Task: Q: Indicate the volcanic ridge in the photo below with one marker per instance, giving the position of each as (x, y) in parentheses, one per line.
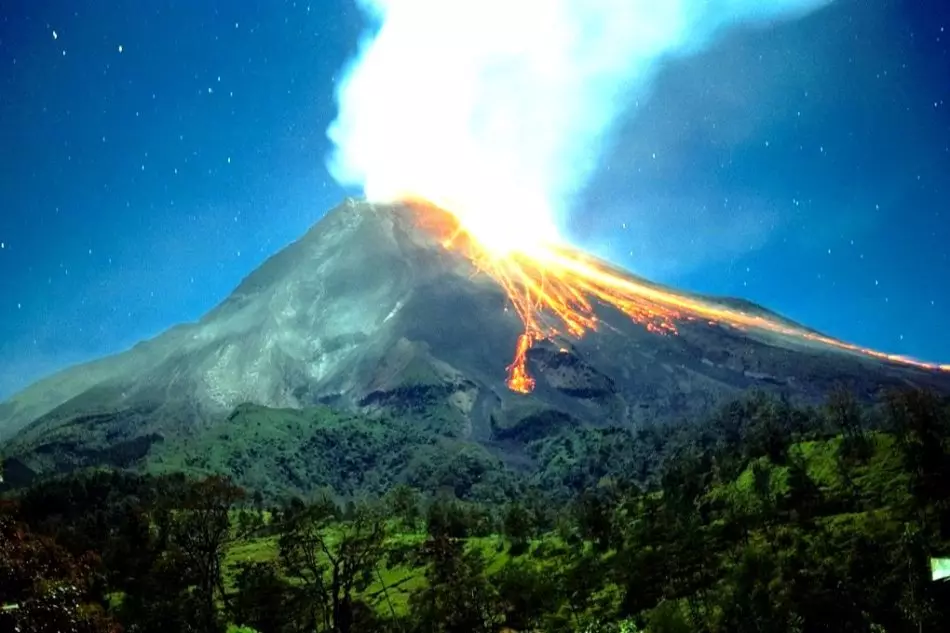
(389, 312)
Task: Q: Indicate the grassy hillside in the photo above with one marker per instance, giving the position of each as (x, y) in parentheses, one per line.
(765, 518)
(861, 497)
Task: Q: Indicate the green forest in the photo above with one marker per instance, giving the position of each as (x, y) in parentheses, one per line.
(766, 517)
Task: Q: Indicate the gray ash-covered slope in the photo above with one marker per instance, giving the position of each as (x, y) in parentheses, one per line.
(368, 314)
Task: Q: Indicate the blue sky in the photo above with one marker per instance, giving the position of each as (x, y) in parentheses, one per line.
(156, 153)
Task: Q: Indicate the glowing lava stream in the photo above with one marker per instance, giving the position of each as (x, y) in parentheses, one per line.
(554, 289)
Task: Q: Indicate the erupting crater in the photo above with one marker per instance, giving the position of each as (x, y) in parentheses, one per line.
(556, 289)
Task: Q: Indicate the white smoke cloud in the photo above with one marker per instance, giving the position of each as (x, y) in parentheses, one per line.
(500, 109)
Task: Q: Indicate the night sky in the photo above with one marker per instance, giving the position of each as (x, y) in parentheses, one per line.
(155, 153)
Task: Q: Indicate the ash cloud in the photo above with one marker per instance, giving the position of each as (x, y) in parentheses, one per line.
(508, 107)
(769, 137)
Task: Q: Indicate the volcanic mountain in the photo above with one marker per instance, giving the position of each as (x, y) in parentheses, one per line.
(370, 316)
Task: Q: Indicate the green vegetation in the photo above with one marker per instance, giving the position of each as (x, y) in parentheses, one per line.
(281, 451)
(764, 518)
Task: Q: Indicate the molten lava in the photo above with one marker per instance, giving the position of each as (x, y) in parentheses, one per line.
(555, 288)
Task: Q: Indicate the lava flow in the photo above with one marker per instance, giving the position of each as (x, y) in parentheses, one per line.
(554, 290)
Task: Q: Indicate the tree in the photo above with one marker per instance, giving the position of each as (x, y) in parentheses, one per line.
(43, 588)
(593, 512)
(333, 562)
(845, 416)
(202, 531)
(457, 598)
(751, 603)
(921, 425)
(844, 412)
(580, 580)
(767, 431)
(403, 503)
(162, 598)
(911, 556)
(262, 599)
(762, 486)
(526, 594)
(517, 526)
(248, 522)
(446, 517)
(803, 498)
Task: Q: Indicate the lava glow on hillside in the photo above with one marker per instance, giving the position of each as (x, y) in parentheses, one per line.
(555, 290)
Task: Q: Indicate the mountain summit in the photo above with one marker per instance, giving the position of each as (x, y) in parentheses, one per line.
(369, 314)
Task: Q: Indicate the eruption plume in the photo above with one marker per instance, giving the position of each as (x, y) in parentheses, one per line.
(498, 112)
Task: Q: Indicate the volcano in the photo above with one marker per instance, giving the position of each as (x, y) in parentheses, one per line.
(370, 314)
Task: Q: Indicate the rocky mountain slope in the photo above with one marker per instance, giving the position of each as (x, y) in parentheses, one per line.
(368, 314)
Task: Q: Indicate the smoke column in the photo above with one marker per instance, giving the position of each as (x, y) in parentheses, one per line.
(498, 110)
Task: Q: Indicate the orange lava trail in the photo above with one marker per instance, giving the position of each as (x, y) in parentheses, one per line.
(553, 290)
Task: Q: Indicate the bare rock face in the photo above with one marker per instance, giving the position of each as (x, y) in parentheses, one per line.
(369, 314)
